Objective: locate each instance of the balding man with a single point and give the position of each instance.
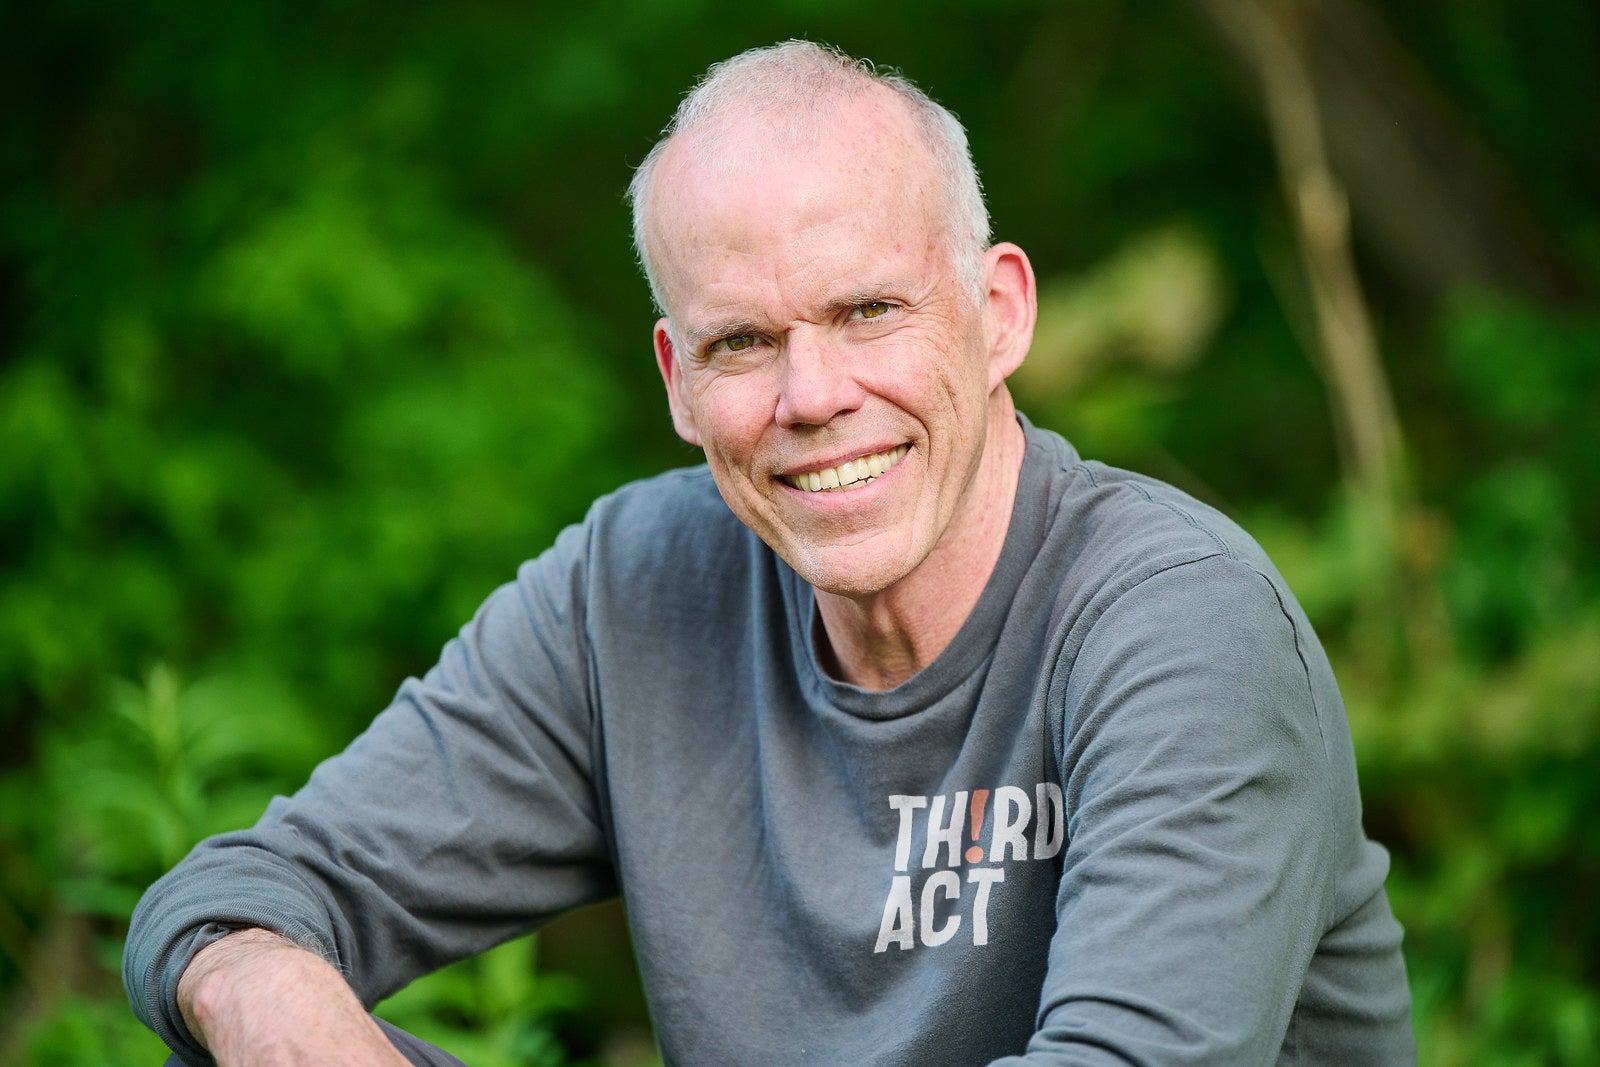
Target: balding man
(907, 735)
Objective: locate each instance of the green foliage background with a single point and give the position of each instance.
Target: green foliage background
(315, 320)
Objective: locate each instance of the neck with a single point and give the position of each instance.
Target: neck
(879, 640)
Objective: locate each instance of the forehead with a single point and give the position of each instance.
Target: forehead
(837, 190)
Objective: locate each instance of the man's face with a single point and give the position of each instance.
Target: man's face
(820, 347)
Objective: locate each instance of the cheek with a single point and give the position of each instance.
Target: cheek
(933, 385)
(729, 415)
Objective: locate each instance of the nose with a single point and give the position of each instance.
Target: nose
(816, 385)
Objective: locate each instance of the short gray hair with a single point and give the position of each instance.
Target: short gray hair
(786, 81)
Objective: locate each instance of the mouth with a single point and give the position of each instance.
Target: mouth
(850, 473)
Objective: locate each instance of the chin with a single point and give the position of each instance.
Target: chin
(855, 579)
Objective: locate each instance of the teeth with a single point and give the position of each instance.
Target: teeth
(848, 473)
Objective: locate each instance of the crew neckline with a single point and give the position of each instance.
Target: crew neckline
(975, 641)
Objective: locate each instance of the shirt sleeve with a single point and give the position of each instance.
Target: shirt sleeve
(465, 815)
(1206, 826)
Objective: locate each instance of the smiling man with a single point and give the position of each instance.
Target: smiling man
(907, 735)
(841, 354)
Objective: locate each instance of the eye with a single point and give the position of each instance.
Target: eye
(873, 309)
(737, 343)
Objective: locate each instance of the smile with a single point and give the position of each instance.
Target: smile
(853, 472)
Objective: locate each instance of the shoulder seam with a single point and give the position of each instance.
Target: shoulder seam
(1223, 547)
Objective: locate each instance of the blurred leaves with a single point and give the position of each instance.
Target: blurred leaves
(1155, 304)
(497, 1010)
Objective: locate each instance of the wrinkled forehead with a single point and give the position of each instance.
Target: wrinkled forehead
(751, 181)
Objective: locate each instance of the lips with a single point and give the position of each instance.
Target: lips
(851, 472)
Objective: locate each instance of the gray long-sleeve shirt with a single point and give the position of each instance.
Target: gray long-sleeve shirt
(1115, 821)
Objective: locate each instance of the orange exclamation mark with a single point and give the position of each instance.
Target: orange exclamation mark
(980, 800)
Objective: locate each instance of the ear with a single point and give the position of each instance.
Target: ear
(672, 377)
(1010, 308)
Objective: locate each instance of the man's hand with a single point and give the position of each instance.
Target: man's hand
(255, 998)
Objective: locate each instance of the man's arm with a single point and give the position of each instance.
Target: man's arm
(465, 815)
(1213, 838)
(257, 998)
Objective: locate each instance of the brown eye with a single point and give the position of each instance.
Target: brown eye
(874, 309)
(735, 344)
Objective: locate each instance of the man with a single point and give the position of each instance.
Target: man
(907, 735)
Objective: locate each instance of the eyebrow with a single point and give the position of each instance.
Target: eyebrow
(695, 339)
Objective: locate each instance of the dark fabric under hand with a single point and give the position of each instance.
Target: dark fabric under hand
(411, 1047)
